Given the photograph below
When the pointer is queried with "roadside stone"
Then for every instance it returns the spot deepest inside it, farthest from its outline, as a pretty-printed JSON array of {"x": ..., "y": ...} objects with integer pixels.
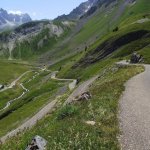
[{"x": 83, "y": 96}]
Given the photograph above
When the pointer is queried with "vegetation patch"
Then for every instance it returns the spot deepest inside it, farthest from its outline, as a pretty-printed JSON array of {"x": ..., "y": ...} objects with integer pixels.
[{"x": 67, "y": 111}]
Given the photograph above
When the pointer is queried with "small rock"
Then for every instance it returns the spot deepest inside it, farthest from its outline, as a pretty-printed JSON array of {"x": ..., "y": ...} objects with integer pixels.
[
  {"x": 90, "y": 123},
  {"x": 1, "y": 87},
  {"x": 136, "y": 58},
  {"x": 114, "y": 69}
]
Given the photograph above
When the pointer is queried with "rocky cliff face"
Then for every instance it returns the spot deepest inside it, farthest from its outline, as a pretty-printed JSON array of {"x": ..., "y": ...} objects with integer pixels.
[{"x": 9, "y": 20}]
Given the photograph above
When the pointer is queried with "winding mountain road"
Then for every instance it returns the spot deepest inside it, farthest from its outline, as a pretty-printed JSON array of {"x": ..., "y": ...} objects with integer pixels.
[
  {"x": 71, "y": 85},
  {"x": 11, "y": 86},
  {"x": 49, "y": 107},
  {"x": 11, "y": 101},
  {"x": 14, "y": 82},
  {"x": 134, "y": 112},
  {"x": 22, "y": 86}
]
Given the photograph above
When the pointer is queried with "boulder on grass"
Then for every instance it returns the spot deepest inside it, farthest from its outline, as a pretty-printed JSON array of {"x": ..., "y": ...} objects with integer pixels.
[
  {"x": 136, "y": 58},
  {"x": 37, "y": 143}
]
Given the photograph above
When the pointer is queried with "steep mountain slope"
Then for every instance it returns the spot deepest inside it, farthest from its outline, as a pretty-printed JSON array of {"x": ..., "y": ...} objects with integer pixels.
[
  {"x": 103, "y": 21},
  {"x": 129, "y": 33},
  {"x": 32, "y": 39},
  {"x": 9, "y": 20}
]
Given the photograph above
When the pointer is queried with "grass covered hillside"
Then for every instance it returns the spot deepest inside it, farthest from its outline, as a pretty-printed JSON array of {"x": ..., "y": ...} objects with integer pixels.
[
  {"x": 85, "y": 53},
  {"x": 123, "y": 16},
  {"x": 9, "y": 71}
]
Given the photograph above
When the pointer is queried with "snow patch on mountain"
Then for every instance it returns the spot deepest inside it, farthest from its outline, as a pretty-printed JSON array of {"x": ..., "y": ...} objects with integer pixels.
[{"x": 17, "y": 12}]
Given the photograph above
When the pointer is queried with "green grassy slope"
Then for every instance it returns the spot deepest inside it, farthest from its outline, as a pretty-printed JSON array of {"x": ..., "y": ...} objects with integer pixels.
[
  {"x": 135, "y": 12},
  {"x": 67, "y": 129},
  {"x": 9, "y": 71},
  {"x": 92, "y": 60},
  {"x": 100, "y": 26}
]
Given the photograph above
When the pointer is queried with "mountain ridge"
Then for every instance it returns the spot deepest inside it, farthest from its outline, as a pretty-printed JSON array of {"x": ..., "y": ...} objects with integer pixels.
[
  {"x": 79, "y": 11},
  {"x": 10, "y": 20}
]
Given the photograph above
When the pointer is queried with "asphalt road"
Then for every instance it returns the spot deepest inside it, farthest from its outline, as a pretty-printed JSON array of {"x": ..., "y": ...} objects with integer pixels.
[{"x": 134, "y": 113}]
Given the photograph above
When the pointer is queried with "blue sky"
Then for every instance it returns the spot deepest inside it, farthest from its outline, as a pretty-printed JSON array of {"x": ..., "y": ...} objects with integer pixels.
[{"x": 40, "y": 9}]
